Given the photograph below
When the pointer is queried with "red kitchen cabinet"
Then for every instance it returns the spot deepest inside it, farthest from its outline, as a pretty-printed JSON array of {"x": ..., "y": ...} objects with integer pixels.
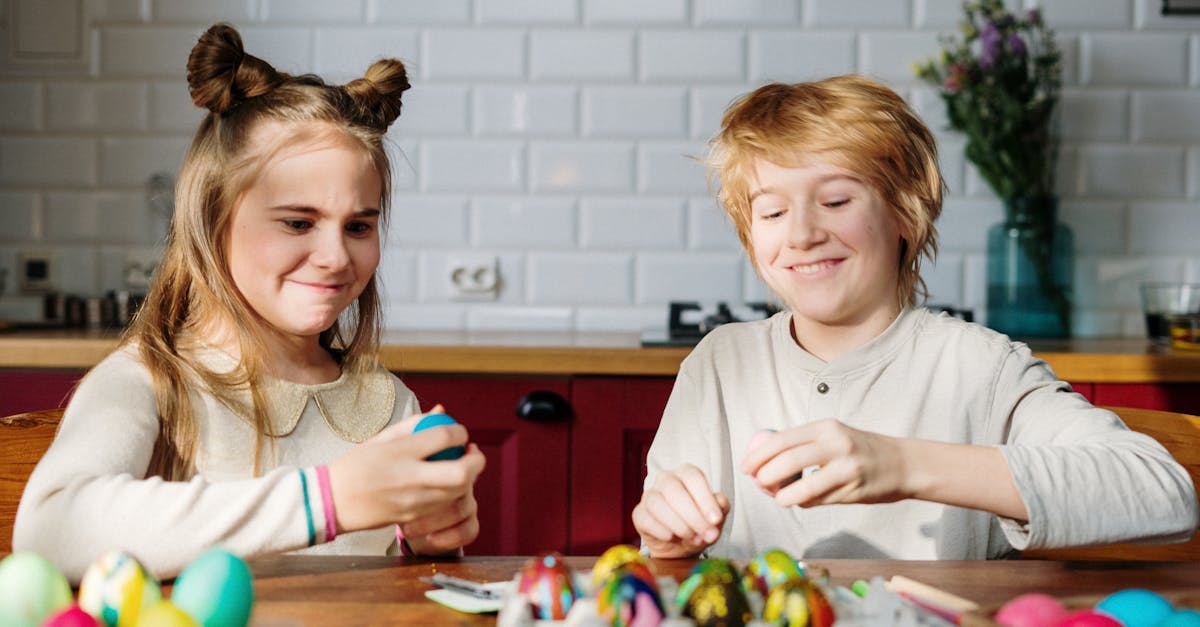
[
  {"x": 35, "y": 390},
  {"x": 1180, "y": 397},
  {"x": 522, "y": 493},
  {"x": 615, "y": 422}
]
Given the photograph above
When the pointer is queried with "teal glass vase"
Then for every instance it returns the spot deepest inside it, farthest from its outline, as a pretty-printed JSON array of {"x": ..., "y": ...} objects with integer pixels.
[{"x": 1030, "y": 270}]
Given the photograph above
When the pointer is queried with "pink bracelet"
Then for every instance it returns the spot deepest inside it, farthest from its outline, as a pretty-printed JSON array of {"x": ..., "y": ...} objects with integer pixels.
[{"x": 327, "y": 503}]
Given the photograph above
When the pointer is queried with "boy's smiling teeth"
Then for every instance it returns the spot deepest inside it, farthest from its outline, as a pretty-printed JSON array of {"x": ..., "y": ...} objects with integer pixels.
[{"x": 811, "y": 268}]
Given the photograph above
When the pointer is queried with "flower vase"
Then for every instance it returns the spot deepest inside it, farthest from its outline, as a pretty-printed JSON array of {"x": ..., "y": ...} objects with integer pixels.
[{"x": 1030, "y": 270}]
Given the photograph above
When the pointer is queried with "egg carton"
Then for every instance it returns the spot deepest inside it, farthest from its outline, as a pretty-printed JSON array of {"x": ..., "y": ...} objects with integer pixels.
[{"x": 879, "y": 607}]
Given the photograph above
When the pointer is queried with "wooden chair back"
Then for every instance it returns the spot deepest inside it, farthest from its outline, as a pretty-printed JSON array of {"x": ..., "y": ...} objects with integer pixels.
[
  {"x": 24, "y": 438},
  {"x": 1180, "y": 435}
]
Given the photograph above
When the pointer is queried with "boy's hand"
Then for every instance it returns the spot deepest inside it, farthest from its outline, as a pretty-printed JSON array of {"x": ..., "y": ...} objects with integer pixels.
[
  {"x": 680, "y": 515},
  {"x": 855, "y": 466}
]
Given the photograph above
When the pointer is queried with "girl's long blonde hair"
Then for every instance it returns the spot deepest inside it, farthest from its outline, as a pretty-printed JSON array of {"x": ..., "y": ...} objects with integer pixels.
[{"x": 193, "y": 288}]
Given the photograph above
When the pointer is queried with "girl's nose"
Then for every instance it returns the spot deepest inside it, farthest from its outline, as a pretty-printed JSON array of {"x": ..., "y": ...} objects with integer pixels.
[
  {"x": 331, "y": 251},
  {"x": 805, "y": 229}
]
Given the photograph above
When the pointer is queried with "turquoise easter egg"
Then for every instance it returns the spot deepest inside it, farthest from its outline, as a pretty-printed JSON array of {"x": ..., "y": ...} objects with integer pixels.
[
  {"x": 216, "y": 589},
  {"x": 115, "y": 589},
  {"x": 1135, "y": 607},
  {"x": 31, "y": 589},
  {"x": 1181, "y": 618},
  {"x": 440, "y": 420}
]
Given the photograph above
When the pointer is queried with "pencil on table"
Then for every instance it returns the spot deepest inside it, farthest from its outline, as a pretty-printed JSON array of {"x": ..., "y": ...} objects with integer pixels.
[{"x": 934, "y": 596}]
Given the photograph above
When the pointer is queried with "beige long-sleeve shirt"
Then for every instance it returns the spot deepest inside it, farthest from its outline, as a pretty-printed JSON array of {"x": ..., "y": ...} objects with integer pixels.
[
  {"x": 1084, "y": 477},
  {"x": 90, "y": 494}
]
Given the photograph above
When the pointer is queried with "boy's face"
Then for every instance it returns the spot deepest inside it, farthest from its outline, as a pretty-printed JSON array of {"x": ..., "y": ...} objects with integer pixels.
[
  {"x": 825, "y": 241},
  {"x": 304, "y": 238}
]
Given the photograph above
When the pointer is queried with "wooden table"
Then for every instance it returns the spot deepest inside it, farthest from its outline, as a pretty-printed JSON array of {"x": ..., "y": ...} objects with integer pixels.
[{"x": 317, "y": 590}]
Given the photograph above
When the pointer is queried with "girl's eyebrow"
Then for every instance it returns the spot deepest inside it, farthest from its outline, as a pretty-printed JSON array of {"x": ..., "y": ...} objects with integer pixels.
[{"x": 305, "y": 209}]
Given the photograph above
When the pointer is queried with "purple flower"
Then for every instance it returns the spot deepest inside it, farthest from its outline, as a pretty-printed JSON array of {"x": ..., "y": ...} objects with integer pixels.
[
  {"x": 1034, "y": 17},
  {"x": 1016, "y": 45},
  {"x": 990, "y": 40}
]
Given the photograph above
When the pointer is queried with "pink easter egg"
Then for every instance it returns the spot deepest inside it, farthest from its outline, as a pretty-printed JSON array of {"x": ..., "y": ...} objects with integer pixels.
[
  {"x": 1032, "y": 610},
  {"x": 72, "y": 616},
  {"x": 1089, "y": 618}
]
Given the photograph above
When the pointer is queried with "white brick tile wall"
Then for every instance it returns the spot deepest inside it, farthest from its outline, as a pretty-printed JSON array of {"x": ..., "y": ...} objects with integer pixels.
[
  {"x": 1134, "y": 59},
  {"x": 663, "y": 277},
  {"x": 790, "y": 57},
  {"x": 631, "y": 223},
  {"x": 97, "y": 106},
  {"x": 419, "y": 221},
  {"x": 207, "y": 11},
  {"x": 111, "y": 217},
  {"x": 1168, "y": 115},
  {"x": 319, "y": 11},
  {"x": 708, "y": 226},
  {"x": 472, "y": 165},
  {"x": 1100, "y": 226},
  {"x": 171, "y": 108},
  {"x": 702, "y": 56},
  {"x": 527, "y": 12},
  {"x": 473, "y": 54},
  {"x": 530, "y": 222},
  {"x": 1087, "y": 14},
  {"x": 133, "y": 160},
  {"x": 774, "y": 12},
  {"x": 635, "y": 12},
  {"x": 416, "y": 13},
  {"x": 435, "y": 110},
  {"x": 580, "y": 279},
  {"x": 889, "y": 55},
  {"x": 17, "y": 218},
  {"x": 640, "y": 111},
  {"x": 596, "y": 166},
  {"x": 35, "y": 161},
  {"x": 20, "y": 106},
  {"x": 78, "y": 270},
  {"x": 753, "y": 287},
  {"x": 346, "y": 52},
  {"x": 1133, "y": 171},
  {"x": 573, "y": 55},
  {"x": 1151, "y": 230},
  {"x": 842, "y": 13},
  {"x": 535, "y": 130},
  {"x": 665, "y": 167},
  {"x": 944, "y": 279},
  {"x": 528, "y": 111},
  {"x": 1094, "y": 114}
]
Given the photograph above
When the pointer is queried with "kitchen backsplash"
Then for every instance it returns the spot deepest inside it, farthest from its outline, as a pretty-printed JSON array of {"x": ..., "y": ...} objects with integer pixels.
[{"x": 545, "y": 162}]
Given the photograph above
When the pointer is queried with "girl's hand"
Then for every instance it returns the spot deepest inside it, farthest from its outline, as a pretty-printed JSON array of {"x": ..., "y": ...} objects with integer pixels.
[
  {"x": 386, "y": 480},
  {"x": 441, "y": 532},
  {"x": 680, "y": 515},
  {"x": 855, "y": 466}
]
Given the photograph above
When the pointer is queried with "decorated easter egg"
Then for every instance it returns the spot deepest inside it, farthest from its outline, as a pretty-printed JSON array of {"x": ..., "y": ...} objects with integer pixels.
[
  {"x": 216, "y": 589},
  {"x": 1135, "y": 607},
  {"x": 1181, "y": 618},
  {"x": 1088, "y": 618},
  {"x": 72, "y": 616},
  {"x": 116, "y": 587},
  {"x": 615, "y": 557},
  {"x": 628, "y": 600},
  {"x": 716, "y": 603},
  {"x": 714, "y": 567},
  {"x": 440, "y": 420},
  {"x": 546, "y": 583},
  {"x": 165, "y": 614},
  {"x": 32, "y": 589},
  {"x": 1032, "y": 610},
  {"x": 769, "y": 569},
  {"x": 798, "y": 603}
]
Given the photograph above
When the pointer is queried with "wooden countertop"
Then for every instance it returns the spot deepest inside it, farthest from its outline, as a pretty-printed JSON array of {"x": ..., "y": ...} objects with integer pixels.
[{"x": 1112, "y": 360}]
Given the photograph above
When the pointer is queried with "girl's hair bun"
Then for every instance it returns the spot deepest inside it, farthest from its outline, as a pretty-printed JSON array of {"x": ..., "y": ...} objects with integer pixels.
[
  {"x": 377, "y": 94},
  {"x": 220, "y": 74}
]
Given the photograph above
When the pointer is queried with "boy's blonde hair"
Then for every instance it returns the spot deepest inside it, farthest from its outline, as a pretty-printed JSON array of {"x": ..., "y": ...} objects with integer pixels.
[
  {"x": 854, "y": 123},
  {"x": 193, "y": 287}
]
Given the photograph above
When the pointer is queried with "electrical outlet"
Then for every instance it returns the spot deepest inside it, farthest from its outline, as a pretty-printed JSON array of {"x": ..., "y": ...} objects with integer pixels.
[
  {"x": 37, "y": 271},
  {"x": 473, "y": 277}
]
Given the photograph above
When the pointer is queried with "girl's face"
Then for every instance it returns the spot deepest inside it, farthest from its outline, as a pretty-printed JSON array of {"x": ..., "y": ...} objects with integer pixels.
[
  {"x": 825, "y": 241},
  {"x": 304, "y": 238}
]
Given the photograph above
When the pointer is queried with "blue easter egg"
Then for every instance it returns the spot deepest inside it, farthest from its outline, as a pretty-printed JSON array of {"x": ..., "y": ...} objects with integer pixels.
[
  {"x": 440, "y": 420},
  {"x": 1136, "y": 607},
  {"x": 1181, "y": 618},
  {"x": 216, "y": 589}
]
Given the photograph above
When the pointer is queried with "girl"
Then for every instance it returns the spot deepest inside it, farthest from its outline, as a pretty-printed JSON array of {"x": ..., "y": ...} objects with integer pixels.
[
  {"x": 933, "y": 438},
  {"x": 241, "y": 378}
]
